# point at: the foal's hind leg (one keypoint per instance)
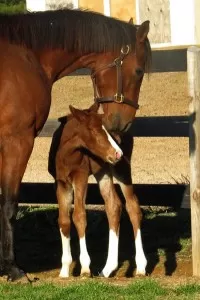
(80, 180)
(15, 152)
(113, 211)
(64, 193)
(122, 172)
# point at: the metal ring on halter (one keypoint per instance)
(127, 51)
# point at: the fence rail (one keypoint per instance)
(172, 126)
(150, 195)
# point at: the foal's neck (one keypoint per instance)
(71, 137)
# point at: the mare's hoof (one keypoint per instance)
(2, 272)
(101, 274)
(16, 274)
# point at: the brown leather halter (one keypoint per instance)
(118, 97)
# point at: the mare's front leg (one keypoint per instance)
(80, 183)
(15, 152)
(64, 193)
(122, 172)
(113, 212)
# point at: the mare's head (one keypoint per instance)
(117, 78)
(94, 136)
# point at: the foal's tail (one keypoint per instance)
(54, 146)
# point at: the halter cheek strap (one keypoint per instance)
(118, 97)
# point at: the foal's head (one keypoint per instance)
(93, 135)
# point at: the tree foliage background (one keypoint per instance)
(12, 6)
(11, 2)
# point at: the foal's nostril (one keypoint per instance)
(118, 155)
(139, 72)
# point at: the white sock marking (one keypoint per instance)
(66, 255)
(112, 142)
(84, 256)
(140, 258)
(112, 259)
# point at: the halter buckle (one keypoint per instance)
(118, 98)
(118, 61)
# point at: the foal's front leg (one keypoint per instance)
(113, 211)
(122, 172)
(64, 195)
(80, 183)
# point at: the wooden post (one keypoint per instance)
(193, 60)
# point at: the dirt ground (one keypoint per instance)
(155, 160)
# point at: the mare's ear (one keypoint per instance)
(142, 31)
(80, 115)
(130, 21)
(94, 107)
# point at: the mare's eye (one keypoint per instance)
(139, 72)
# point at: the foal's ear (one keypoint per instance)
(77, 113)
(142, 31)
(94, 107)
(130, 21)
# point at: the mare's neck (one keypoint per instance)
(58, 63)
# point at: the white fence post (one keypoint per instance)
(193, 60)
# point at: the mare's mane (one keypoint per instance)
(79, 30)
(82, 31)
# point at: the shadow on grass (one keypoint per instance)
(38, 245)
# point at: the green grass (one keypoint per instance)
(11, 9)
(144, 289)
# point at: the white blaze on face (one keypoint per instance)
(112, 142)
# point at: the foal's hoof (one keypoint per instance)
(140, 273)
(85, 275)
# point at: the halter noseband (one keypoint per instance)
(118, 97)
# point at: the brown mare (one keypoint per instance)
(36, 50)
(70, 165)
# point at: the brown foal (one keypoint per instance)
(83, 148)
